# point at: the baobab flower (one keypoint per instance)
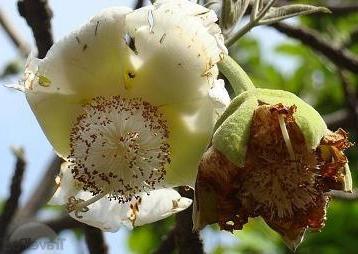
(271, 156)
(130, 99)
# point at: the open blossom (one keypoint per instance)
(129, 100)
(271, 156)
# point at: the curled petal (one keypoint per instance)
(109, 214)
(66, 186)
(219, 96)
(159, 204)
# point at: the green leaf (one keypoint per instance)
(234, 105)
(255, 9)
(232, 12)
(276, 14)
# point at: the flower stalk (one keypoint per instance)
(238, 78)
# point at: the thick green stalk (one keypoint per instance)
(237, 77)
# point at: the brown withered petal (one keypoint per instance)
(289, 193)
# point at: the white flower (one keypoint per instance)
(130, 99)
(110, 215)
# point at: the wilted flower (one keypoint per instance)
(271, 156)
(130, 99)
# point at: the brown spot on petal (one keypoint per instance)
(134, 210)
(175, 204)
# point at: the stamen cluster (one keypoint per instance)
(119, 146)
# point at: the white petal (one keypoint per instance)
(177, 51)
(104, 214)
(66, 186)
(201, 14)
(189, 137)
(110, 215)
(87, 63)
(219, 96)
(159, 204)
(166, 54)
(178, 54)
(191, 131)
(348, 185)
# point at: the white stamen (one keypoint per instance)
(121, 145)
(82, 206)
(150, 19)
(286, 137)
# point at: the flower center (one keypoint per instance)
(119, 146)
(281, 171)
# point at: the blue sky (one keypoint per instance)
(18, 126)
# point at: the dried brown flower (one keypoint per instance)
(283, 180)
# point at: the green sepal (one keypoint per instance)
(232, 130)
(234, 104)
(232, 135)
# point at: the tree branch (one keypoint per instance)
(168, 243)
(342, 58)
(14, 36)
(43, 191)
(40, 196)
(11, 204)
(350, 96)
(187, 241)
(182, 237)
(62, 223)
(38, 16)
(95, 240)
(340, 118)
(139, 4)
